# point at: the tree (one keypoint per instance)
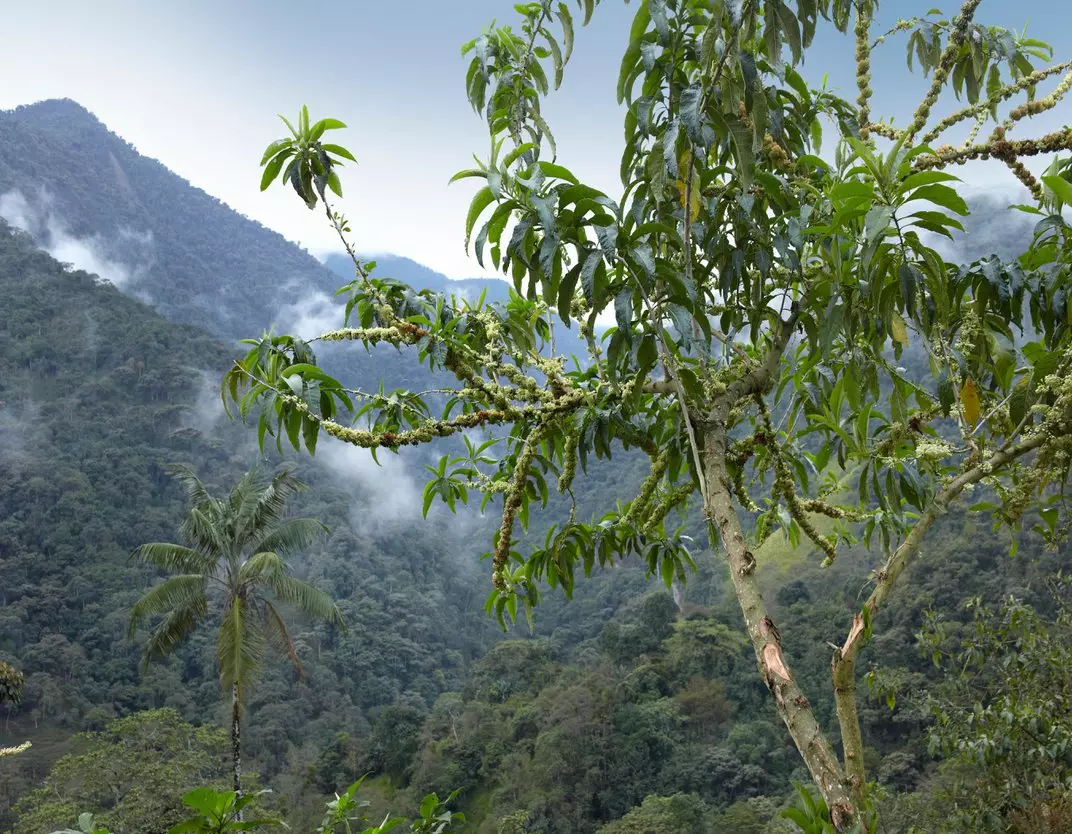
(234, 556)
(1006, 719)
(683, 813)
(131, 775)
(11, 681)
(762, 294)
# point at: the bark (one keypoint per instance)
(236, 746)
(789, 699)
(844, 662)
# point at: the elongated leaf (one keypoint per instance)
(274, 148)
(944, 196)
(969, 400)
(1060, 187)
(877, 222)
(481, 200)
(239, 645)
(338, 150)
(566, 19)
(899, 330)
(623, 310)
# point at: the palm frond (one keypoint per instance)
(277, 629)
(263, 509)
(239, 645)
(291, 536)
(306, 598)
(196, 494)
(174, 558)
(175, 628)
(204, 529)
(173, 594)
(262, 568)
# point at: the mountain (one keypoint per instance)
(98, 393)
(80, 190)
(193, 257)
(634, 699)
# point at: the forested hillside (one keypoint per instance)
(632, 708)
(99, 394)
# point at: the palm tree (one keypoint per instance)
(233, 555)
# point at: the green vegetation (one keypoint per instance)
(239, 544)
(762, 296)
(132, 774)
(782, 429)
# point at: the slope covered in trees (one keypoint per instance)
(99, 392)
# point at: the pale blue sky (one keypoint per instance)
(196, 84)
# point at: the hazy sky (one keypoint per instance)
(197, 83)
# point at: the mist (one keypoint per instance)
(312, 315)
(93, 254)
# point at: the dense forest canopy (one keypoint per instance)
(762, 296)
(792, 386)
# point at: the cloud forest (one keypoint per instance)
(731, 498)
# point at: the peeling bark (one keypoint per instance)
(843, 666)
(789, 699)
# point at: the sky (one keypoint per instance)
(197, 85)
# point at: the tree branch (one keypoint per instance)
(789, 699)
(843, 666)
(945, 64)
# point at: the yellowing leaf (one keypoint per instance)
(684, 165)
(969, 400)
(694, 195)
(899, 330)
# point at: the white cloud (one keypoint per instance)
(312, 315)
(92, 254)
(206, 412)
(388, 495)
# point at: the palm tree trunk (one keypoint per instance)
(236, 746)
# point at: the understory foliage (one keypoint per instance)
(132, 775)
(208, 811)
(1005, 716)
(769, 257)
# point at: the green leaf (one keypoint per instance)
(1061, 187)
(877, 222)
(1020, 401)
(338, 150)
(946, 394)
(588, 272)
(274, 148)
(556, 59)
(566, 289)
(334, 184)
(550, 169)
(944, 196)
(325, 124)
(623, 311)
(272, 170)
(566, 19)
(689, 110)
(481, 200)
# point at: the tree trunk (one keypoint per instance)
(792, 705)
(236, 746)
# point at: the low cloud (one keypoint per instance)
(206, 412)
(312, 315)
(121, 260)
(387, 495)
(16, 429)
